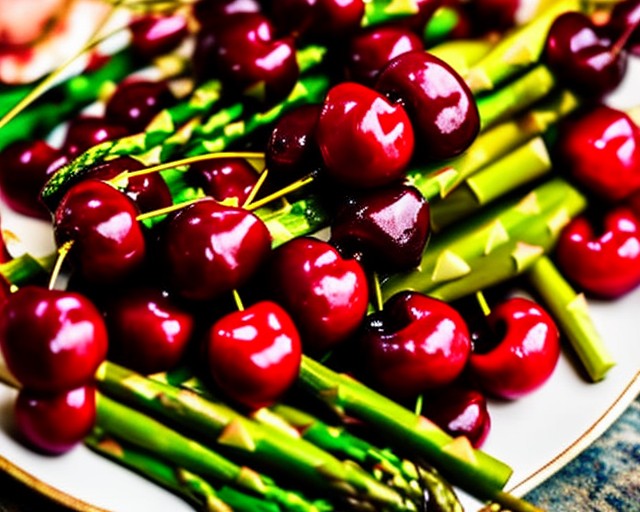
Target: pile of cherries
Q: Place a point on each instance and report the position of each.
(163, 295)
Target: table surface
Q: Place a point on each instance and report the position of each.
(603, 478)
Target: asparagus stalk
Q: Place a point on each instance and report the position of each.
(570, 310)
(190, 486)
(26, 269)
(248, 439)
(461, 54)
(149, 434)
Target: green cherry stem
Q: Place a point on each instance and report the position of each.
(62, 253)
(482, 302)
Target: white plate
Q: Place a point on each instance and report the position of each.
(536, 435)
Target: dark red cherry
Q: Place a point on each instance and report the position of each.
(210, 249)
(440, 105)
(148, 331)
(370, 49)
(602, 260)
(600, 149)
(326, 295)
(414, 344)
(54, 423)
(148, 191)
(135, 102)
(495, 15)
(254, 355)
(625, 23)
(365, 141)
(108, 244)
(23, 172)
(459, 411)
(224, 178)
(217, 12)
(387, 229)
(52, 340)
(156, 35)
(581, 56)
(87, 131)
(292, 150)
(526, 353)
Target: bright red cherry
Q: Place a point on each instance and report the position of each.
(526, 353)
(600, 149)
(365, 141)
(23, 172)
(210, 249)
(52, 340)
(157, 35)
(604, 262)
(108, 243)
(86, 131)
(582, 57)
(370, 49)
(254, 355)
(224, 178)
(387, 229)
(148, 331)
(326, 295)
(134, 103)
(439, 103)
(54, 423)
(414, 344)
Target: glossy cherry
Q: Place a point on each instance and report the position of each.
(210, 249)
(24, 169)
(365, 141)
(370, 49)
(604, 261)
(625, 22)
(526, 352)
(54, 423)
(440, 104)
(459, 411)
(156, 35)
(582, 57)
(135, 102)
(224, 178)
(52, 340)
(148, 331)
(254, 355)
(86, 131)
(326, 294)
(600, 149)
(414, 344)
(387, 229)
(108, 244)
(216, 12)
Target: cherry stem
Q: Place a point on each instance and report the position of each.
(168, 209)
(419, 404)
(44, 85)
(377, 292)
(298, 184)
(482, 301)
(63, 251)
(624, 38)
(238, 300)
(256, 188)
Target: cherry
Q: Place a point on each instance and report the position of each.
(149, 192)
(254, 355)
(245, 56)
(365, 141)
(156, 35)
(581, 57)
(292, 150)
(387, 229)
(23, 172)
(459, 411)
(440, 104)
(54, 423)
(600, 148)
(326, 295)
(224, 178)
(135, 102)
(148, 331)
(210, 249)
(216, 12)
(414, 344)
(495, 15)
(606, 262)
(526, 353)
(52, 340)
(108, 244)
(86, 131)
(625, 21)
(370, 49)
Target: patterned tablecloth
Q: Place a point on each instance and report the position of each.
(604, 478)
